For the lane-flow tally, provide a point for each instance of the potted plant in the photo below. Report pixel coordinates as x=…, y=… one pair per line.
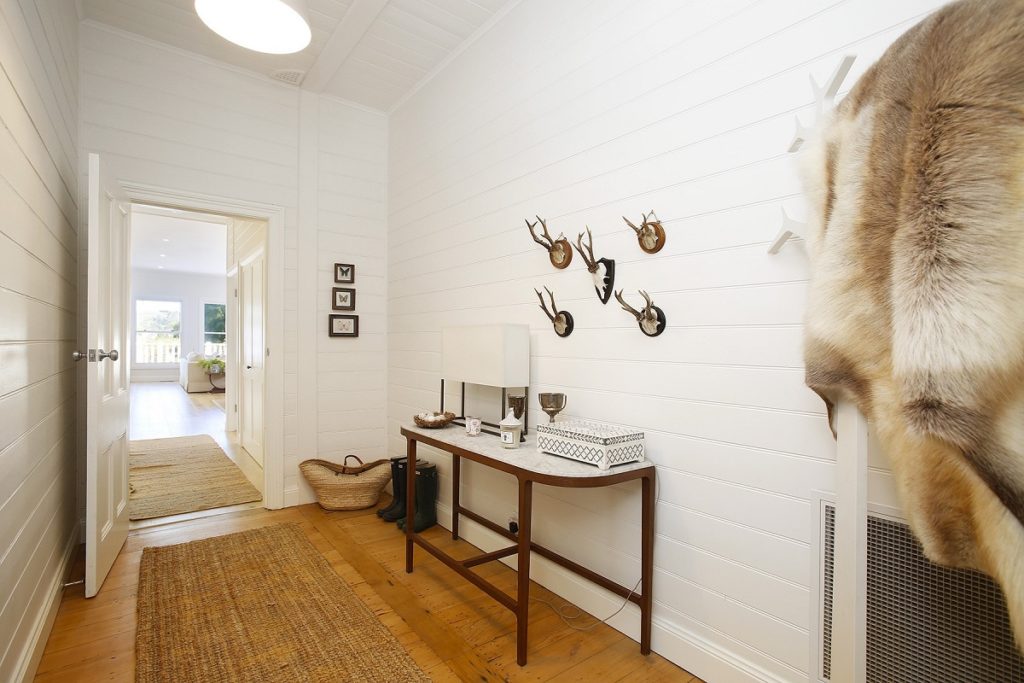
x=213, y=366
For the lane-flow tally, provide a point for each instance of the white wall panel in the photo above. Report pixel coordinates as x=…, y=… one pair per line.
x=38, y=242
x=351, y=162
x=582, y=112
x=187, y=124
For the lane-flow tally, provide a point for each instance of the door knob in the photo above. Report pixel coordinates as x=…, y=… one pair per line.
x=103, y=354
x=248, y=367
x=77, y=355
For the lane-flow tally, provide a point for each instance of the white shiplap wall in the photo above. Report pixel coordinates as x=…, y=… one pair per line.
x=581, y=112
x=352, y=228
x=38, y=242
x=167, y=118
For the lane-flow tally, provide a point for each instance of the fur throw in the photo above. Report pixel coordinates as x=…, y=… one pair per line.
x=916, y=308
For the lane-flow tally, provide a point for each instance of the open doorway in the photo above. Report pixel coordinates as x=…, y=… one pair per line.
x=198, y=312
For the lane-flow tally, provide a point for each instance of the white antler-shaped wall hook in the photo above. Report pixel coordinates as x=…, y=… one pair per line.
x=824, y=100
x=825, y=97
x=790, y=229
x=798, y=138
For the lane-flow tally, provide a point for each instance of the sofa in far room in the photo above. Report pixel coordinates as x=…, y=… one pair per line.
x=192, y=376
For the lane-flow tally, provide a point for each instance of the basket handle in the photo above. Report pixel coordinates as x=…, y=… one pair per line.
x=345, y=463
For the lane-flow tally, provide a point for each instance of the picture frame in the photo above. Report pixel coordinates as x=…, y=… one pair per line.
x=343, y=299
x=343, y=325
x=344, y=273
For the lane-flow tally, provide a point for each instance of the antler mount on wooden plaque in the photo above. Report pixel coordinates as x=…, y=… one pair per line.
x=602, y=270
x=651, y=318
x=561, y=320
x=650, y=234
x=559, y=250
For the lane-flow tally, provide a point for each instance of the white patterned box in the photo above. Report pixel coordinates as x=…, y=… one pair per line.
x=596, y=443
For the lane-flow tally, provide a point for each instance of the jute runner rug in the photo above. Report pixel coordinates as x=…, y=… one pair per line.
x=259, y=605
x=183, y=474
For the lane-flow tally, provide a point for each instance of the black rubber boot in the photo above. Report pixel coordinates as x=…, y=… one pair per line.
x=398, y=511
x=397, y=486
x=426, y=501
x=397, y=508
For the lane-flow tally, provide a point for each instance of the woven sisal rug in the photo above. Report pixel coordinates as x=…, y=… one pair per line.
x=183, y=474
x=260, y=605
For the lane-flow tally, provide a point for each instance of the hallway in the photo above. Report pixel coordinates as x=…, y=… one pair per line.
x=452, y=630
x=162, y=410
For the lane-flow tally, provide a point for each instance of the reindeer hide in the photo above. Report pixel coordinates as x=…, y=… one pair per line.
x=916, y=308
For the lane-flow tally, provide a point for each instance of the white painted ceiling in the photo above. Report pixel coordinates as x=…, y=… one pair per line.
x=178, y=241
x=373, y=52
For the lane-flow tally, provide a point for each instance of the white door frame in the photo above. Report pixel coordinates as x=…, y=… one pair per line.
x=273, y=393
x=231, y=326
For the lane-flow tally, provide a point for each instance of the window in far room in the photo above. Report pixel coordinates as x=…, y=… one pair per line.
x=157, y=331
x=214, y=337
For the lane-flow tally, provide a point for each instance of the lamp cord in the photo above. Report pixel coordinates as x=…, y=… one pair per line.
x=564, y=615
x=563, y=612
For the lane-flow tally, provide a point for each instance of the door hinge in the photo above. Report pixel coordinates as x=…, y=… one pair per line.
x=268, y=352
x=236, y=292
x=236, y=407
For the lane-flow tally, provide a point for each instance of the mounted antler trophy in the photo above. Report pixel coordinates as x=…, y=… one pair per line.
x=601, y=269
x=559, y=251
x=651, y=318
x=561, y=320
x=650, y=234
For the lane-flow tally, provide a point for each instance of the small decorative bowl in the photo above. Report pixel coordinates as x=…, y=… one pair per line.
x=433, y=420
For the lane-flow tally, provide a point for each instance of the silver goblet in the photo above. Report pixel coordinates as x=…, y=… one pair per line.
x=518, y=405
x=552, y=404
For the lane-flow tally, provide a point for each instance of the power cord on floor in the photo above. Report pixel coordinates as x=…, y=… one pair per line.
x=562, y=612
x=567, y=618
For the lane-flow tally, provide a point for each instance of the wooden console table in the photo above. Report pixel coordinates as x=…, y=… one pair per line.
x=529, y=467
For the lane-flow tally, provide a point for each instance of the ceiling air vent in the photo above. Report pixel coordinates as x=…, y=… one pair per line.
x=290, y=76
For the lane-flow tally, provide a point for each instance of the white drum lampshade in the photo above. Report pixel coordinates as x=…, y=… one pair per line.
x=273, y=26
x=492, y=355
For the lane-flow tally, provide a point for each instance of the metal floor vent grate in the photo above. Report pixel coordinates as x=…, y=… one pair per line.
x=930, y=623
x=830, y=567
x=924, y=622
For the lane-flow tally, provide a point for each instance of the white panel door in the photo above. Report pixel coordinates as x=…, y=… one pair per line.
x=251, y=280
x=106, y=356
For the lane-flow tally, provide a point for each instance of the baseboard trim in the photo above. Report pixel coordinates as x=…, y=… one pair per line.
x=298, y=496
x=674, y=642
x=26, y=669
x=143, y=375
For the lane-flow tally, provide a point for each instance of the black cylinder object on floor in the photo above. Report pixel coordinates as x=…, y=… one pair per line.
x=396, y=482
x=396, y=510
x=425, y=515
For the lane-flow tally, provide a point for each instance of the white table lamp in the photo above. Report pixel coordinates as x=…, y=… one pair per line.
x=489, y=355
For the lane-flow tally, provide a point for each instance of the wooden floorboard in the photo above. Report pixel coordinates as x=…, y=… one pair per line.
x=161, y=410
x=450, y=628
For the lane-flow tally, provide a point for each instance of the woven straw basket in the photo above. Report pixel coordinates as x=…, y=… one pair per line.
x=339, y=487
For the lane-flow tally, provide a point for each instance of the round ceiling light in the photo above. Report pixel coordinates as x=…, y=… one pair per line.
x=276, y=27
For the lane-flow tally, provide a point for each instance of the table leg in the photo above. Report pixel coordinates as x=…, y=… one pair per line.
x=523, y=570
x=647, y=563
x=410, y=500
x=456, y=475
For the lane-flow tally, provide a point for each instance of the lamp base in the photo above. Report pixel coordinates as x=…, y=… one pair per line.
x=491, y=427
